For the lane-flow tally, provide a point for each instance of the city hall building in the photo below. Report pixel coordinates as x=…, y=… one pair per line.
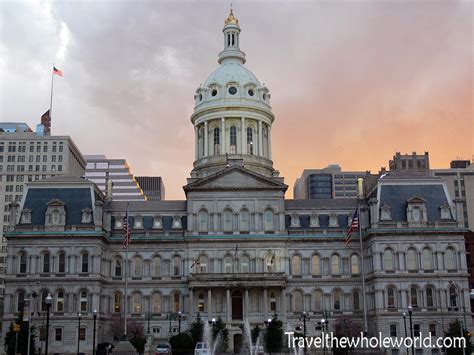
x=235, y=248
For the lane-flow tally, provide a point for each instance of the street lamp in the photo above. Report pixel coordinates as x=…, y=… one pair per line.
x=404, y=314
x=48, y=301
x=324, y=324
x=79, y=315
x=179, y=322
x=304, y=317
x=148, y=318
x=410, y=311
x=268, y=322
x=94, y=314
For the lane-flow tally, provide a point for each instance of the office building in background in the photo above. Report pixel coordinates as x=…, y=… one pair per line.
x=152, y=187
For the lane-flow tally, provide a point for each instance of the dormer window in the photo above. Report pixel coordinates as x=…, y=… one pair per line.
x=86, y=216
x=25, y=216
x=157, y=222
x=445, y=212
x=232, y=90
x=295, y=221
x=55, y=213
x=333, y=221
x=138, y=222
x=314, y=221
x=177, y=222
x=385, y=213
x=416, y=210
x=416, y=214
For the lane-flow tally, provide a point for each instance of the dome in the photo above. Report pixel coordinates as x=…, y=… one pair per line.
x=231, y=72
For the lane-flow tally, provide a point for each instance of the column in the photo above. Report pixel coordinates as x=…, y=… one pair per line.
x=269, y=142
x=228, y=307
x=243, y=137
x=223, y=138
x=191, y=303
x=284, y=303
x=209, y=304
x=260, y=139
x=206, y=141
x=196, y=143
x=265, y=304
x=246, y=303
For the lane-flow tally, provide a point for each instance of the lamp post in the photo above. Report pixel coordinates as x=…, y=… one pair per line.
x=323, y=325
x=404, y=314
x=79, y=315
x=179, y=322
x=304, y=317
x=94, y=314
x=410, y=311
x=148, y=318
x=48, y=301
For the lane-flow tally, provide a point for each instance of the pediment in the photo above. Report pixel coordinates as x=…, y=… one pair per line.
x=416, y=199
x=236, y=178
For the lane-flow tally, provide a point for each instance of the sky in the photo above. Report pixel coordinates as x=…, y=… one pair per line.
x=352, y=81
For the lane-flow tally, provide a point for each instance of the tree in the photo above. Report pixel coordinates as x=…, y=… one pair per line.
x=196, y=330
x=22, y=341
x=255, y=333
x=136, y=335
x=454, y=331
x=217, y=328
x=116, y=327
x=182, y=343
x=274, y=336
x=346, y=327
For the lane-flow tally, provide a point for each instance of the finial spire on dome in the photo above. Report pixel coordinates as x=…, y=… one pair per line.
x=231, y=19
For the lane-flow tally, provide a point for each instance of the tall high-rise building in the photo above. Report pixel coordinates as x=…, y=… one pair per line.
x=125, y=186
x=152, y=187
x=410, y=162
x=327, y=183
x=460, y=183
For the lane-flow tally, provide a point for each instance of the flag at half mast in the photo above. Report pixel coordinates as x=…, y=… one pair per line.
x=126, y=231
x=354, y=225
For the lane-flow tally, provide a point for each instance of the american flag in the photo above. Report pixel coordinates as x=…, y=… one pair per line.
x=354, y=225
x=126, y=231
x=57, y=71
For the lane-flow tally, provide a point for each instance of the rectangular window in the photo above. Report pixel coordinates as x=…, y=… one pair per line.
x=433, y=329
x=416, y=330
x=82, y=334
x=393, y=330
x=58, y=334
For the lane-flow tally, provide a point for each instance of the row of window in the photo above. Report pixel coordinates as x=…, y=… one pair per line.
x=204, y=222
x=22, y=148
x=415, y=260
x=416, y=296
x=31, y=158
x=31, y=168
x=46, y=263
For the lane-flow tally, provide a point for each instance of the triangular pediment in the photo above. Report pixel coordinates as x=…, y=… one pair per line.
x=416, y=199
x=236, y=178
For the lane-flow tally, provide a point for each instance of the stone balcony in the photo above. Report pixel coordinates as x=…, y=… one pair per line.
x=238, y=280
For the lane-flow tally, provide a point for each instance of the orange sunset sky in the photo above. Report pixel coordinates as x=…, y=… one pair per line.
x=352, y=82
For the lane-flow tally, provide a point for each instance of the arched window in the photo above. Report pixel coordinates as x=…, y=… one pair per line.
x=83, y=301
x=203, y=221
x=391, y=297
x=453, y=302
x=416, y=214
x=20, y=301
x=217, y=141
x=233, y=140
x=176, y=265
x=203, y=263
x=85, y=262
x=296, y=265
x=60, y=301
x=22, y=262
x=318, y=300
x=117, y=302
x=61, y=262
x=427, y=259
x=315, y=265
x=156, y=301
x=227, y=264
x=176, y=302
x=137, y=303
x=244, y=220
x=388, y=262
x=414, y=296
x=429, y=297
x=245, y=264
x=356, y=300
x=337, y=300
x=411, y=259
x=249, y=140
x=46, y=262
x=335, y=265
x=269, y=226
x=355, y=264
x=137, y=266
x=157, y=266
x=44, y=294
x=228, y=220
x=118, y=267
x=450, y=260
x=297, y=301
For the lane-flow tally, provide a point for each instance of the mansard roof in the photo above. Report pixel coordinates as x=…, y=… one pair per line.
x=333, y=203
x=161, y=206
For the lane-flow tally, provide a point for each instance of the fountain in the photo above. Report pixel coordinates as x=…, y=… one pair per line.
x=211, y=344
x=247, y=340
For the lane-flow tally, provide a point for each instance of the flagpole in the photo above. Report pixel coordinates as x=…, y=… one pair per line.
x=126, y=278
x=51, y=97
x=364, y=297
